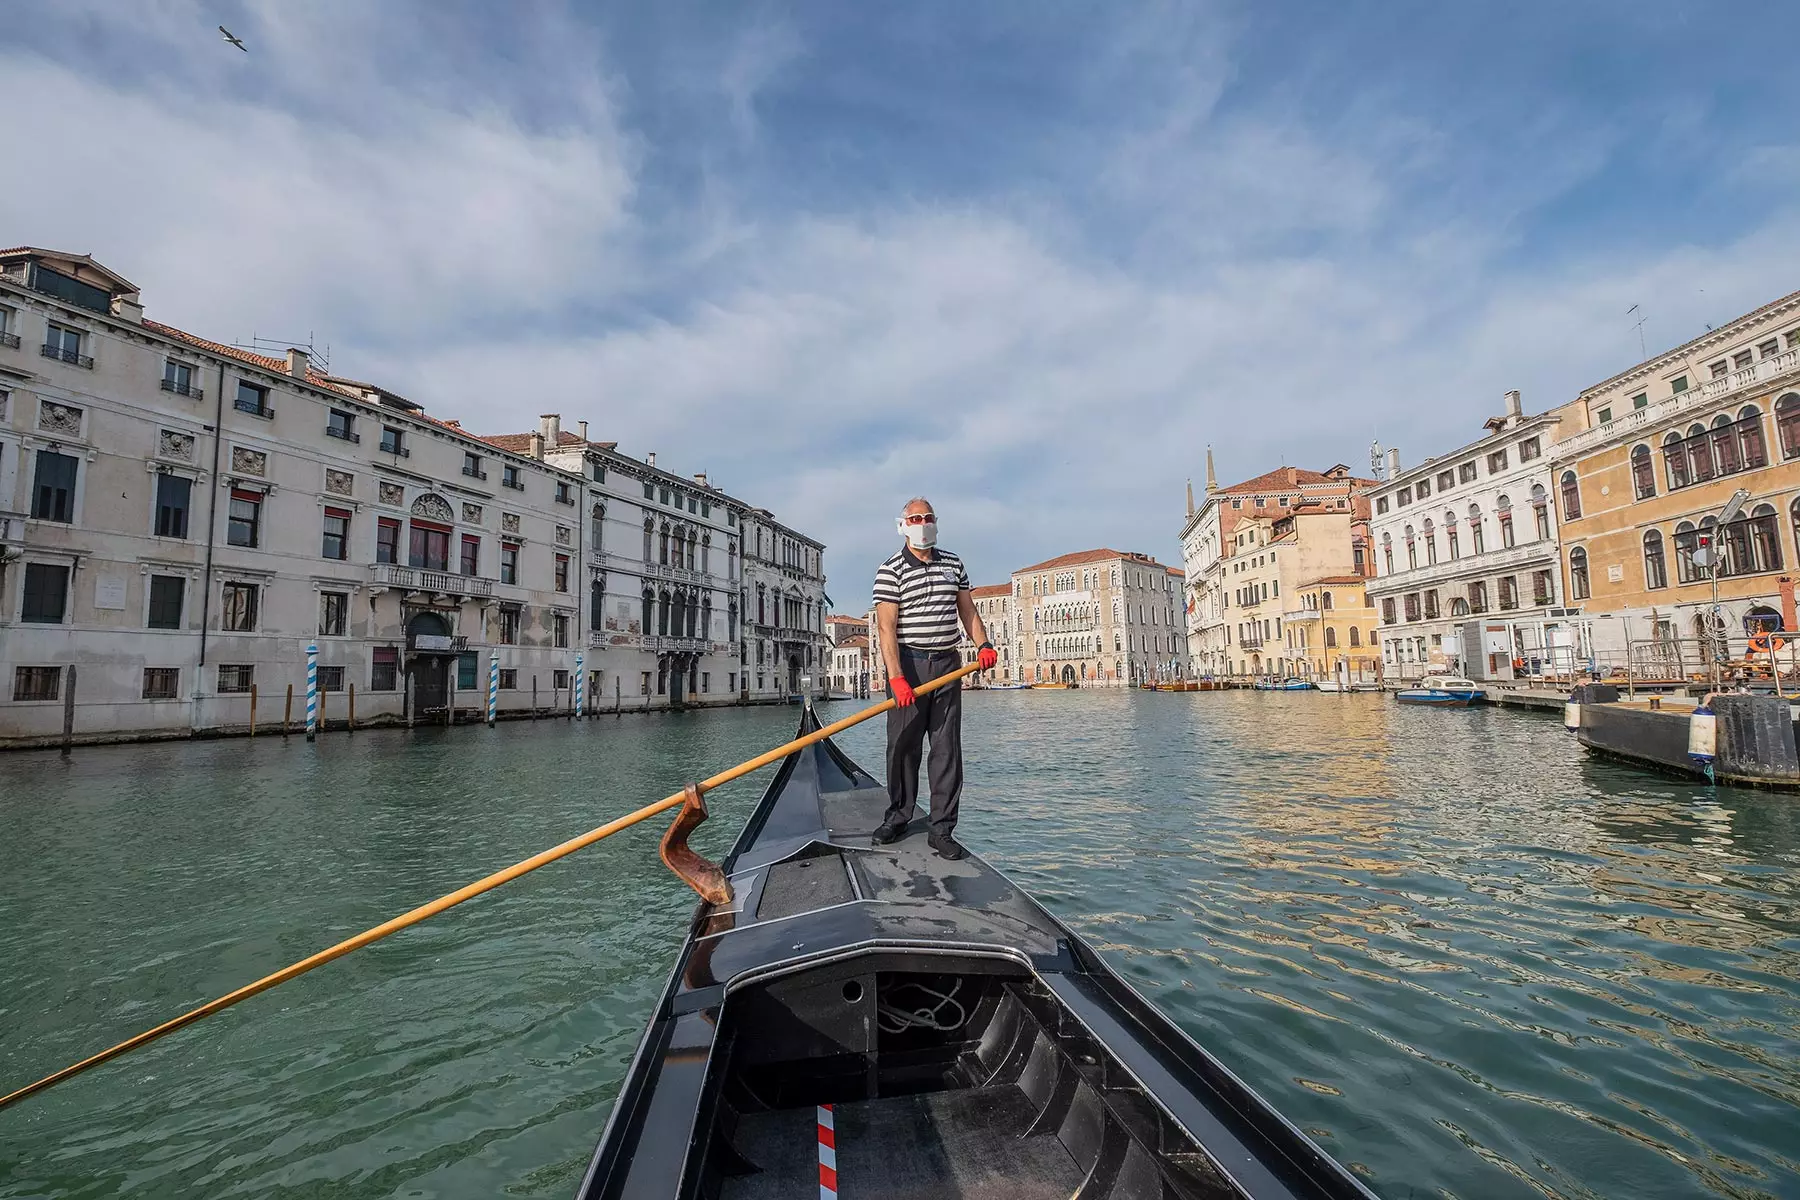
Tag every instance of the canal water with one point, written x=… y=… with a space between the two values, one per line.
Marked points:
x=1468 y=959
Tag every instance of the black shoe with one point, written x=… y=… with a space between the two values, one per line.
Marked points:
x=888 y=833
x=948 y=847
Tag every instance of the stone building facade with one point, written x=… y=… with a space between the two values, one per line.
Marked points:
x=784 y=602
x=994 y=604
x=1100 y=618
x=180 y=519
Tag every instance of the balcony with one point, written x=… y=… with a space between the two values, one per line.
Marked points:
x=1701 y=395
x=9 y=340
x=1474 y=566
x=343 y=435
x=676 y=574
x=475 y=473
x=73 y=357
x=191 y=391
x=664 y=644
x=441 y=643
x=418 y=579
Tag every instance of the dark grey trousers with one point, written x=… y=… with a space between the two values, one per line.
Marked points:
x=938 y=714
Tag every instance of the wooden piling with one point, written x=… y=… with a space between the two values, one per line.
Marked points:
x=351 y=727
x=68 y=740
x=287 y=713
x=534 y=697
x=253 y=695
x=323 y=694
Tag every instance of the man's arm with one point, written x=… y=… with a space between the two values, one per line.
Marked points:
x=887 y=627
x=971 y=620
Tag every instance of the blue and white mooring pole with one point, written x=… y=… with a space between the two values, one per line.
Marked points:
x=580 y=687
x=312 y=689
x=493 y=687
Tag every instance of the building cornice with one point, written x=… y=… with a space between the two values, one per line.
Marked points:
x=1722 y=336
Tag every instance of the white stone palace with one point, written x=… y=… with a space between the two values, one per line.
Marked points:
x=180 y=519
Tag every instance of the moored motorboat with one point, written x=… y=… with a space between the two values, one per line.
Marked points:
x=878 y=1021
x=1289 y=684
x=1008 y=687
x=1329 y=685
x=1443 y=691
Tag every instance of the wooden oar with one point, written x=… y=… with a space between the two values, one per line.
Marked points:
x=487 y=884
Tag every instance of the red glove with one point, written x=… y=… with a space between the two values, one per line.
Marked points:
x=987 y=656
x=903 y=693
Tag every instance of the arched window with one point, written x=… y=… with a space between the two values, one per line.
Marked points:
x=649 y=529
x=693 y=544
x=1450 y=536
x=597 y=528
x=1700 y=457
x=1787 y=424
x=649 y=612
x=1675 y=461
x=1459 y=607
x=1656 y=571
x=1643 y=473
x=662 y=614
x=1503 y=514
x=1387 y=611
x=706 y=554
x=1750 y=437
x=662 y=545
x=1578 y=574
x=1571 y=496
x=1475 y=531
x=693 y=617
x=731 y=616
x=597 y=602
x=1430 y=542
x=1327 y=599
x=1755 y=541
x=1725 y=445
x=1540 y=507
x=1687 y=540
x=1412 y=551
x=1355 y=636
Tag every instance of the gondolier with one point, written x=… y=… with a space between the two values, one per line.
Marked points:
x=921 y=596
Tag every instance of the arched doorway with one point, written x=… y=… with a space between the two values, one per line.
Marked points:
x=1068 y=674
x=1760 y=618
x=428 y=637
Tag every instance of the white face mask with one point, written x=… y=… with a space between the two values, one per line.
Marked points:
x=919 y=537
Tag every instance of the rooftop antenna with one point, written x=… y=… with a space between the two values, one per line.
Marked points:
x=275 y=347
x=1642 y=353
x=1375 y=465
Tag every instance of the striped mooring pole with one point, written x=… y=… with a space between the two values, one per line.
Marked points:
x=580 y=688
x=312 y=689
x=493 y=688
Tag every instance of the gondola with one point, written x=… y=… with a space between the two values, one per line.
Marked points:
x=882 y=1021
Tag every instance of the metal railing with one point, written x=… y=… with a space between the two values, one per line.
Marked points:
x=74 y=357
x=343 y=435
x=190 y=390
x=9 y=340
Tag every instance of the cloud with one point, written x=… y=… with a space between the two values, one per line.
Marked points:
x=1164 y=244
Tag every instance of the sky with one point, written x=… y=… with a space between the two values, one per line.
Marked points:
x=1028 y=260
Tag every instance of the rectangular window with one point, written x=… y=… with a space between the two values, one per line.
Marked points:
x=559 y=678
x=334 y=613
x=706 y=681
x=644 y=676
x=1496 y=462
x=1604 y=415
x=1509 y=593
x=1678 y=385
x=63 y=343
x=509 y=679
x=1445 y=481
x=252 y=399
x=649 y=490
x=238 y=613
x=331 y=679
x=472 y=466
x=387 y=540
x=384 y=669
x=336 y=542
x=430 y=547
x=37 y=683
x=1381 y=504
x=471 y=554
x=1403 y=497
x=509 y=477
x=162 y=683
x=1768 y=349
x=53 y=496
x=178 y=377
x=173 y=495
x=1718 y=369
x=466 y=668
x=341 y=425
x=509 y=563
x=562 y=572
x=167 y=592
x=1641 y=400
x=236 y=677
x=393 y=441
x=1466 y=473
x=560 y=628
x=1423 y=487
x=564 y=493
x=509 y=626
x=46 y=598
x=244 y=525
x=1529 y=449
x=1740 y=360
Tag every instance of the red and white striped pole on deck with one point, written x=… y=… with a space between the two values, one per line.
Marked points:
x=827 y=1155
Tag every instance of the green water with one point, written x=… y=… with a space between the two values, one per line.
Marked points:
x=1469 y=960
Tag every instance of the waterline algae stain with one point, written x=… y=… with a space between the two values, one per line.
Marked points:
x=1459 y=954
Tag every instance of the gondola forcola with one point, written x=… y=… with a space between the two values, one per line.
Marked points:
x=880 y=1022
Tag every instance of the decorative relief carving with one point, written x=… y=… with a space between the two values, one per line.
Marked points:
x=393 y=493
x=433 y=507
x=562 y=535
x=341 y=482
x=509 y=522
x=173 y=443
x=249 y=462
x=59 y=418
x=471 y=513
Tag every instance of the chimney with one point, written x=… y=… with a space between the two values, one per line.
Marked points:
x=650 y=458
x=1293 y=476
x=582 y=425
x=700 y=478
x=298 y=362
x=537 y=446
x=1393 y=464
x=550 y=426
x=1513 y=407
x=128 y=307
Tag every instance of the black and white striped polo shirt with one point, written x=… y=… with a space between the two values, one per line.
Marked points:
x=926 y=594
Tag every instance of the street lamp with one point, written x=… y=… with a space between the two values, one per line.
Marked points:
x=1708 y=556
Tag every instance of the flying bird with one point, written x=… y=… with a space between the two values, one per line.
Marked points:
x=234 y=39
